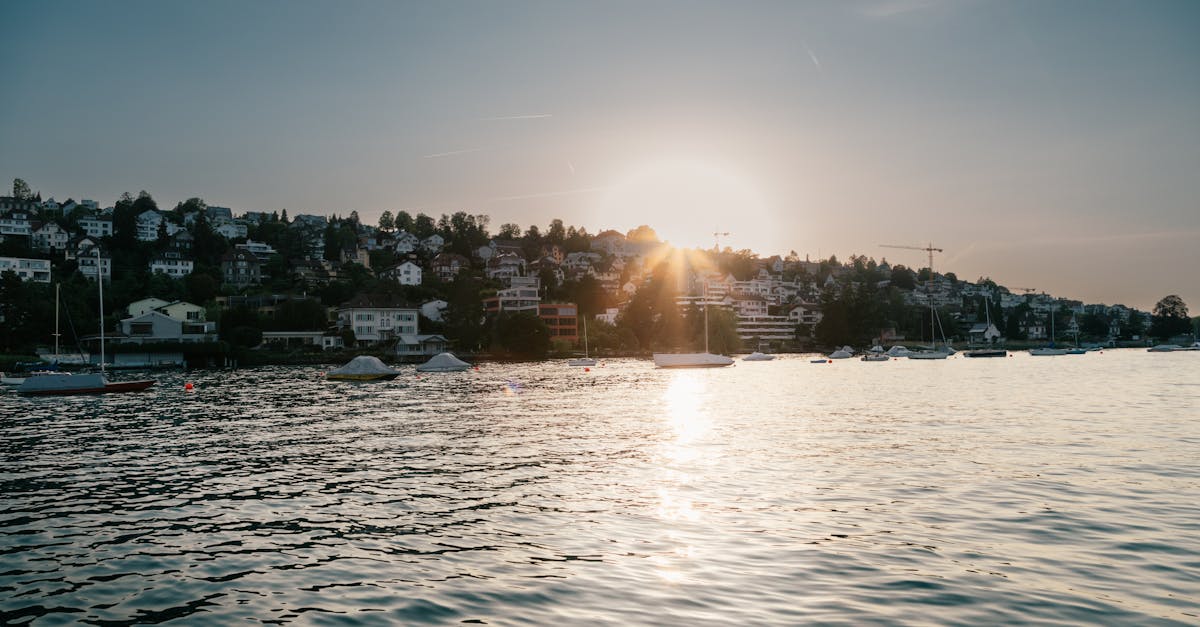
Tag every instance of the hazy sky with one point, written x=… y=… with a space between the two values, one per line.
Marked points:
x=1047 y=144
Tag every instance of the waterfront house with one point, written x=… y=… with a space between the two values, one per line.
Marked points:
x=377 y=320
x=983 y=333
x=562 y=319
x=139 y=307
x=415 y=345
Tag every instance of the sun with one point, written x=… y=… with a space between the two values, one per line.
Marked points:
x=686 y=200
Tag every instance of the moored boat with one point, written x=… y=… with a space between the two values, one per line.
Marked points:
x=757 y=356
x=363 y=368
x=986 y=352
x=691 y=360
x=443 y=362
x=62 y=384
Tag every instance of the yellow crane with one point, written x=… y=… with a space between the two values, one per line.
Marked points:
x=929 y=249
x=928 y=286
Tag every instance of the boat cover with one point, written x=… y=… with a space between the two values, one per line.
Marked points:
x=443 y=362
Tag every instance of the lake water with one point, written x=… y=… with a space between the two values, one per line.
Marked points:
x=1025 y=489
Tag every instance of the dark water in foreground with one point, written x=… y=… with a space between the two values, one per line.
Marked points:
x=1059 y=489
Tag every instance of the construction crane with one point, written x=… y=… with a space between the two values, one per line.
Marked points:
x=929 y=249
x=928 y=284
x=717 y=240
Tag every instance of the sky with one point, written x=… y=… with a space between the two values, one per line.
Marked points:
x=1046 y=145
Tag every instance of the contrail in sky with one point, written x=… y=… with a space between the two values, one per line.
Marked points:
x=567 y=192
x=534 y=116
x=452 y=153
x=812 y=56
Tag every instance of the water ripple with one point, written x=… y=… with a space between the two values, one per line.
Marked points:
x=1021 y=490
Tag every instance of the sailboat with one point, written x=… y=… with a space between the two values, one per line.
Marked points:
x=585 y=360
x=932 y=352
x=60 y=384
x=1049 y=351
x=693 y=360
x=986 y=352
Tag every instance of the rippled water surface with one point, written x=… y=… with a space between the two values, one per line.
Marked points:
x=1027 y=489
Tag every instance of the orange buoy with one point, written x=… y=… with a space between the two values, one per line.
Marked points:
x=587 y=369
x=188 y=387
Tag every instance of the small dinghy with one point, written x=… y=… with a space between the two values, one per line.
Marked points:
x=443 y=362
x=363 y=368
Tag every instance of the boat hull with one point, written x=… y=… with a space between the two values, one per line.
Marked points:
x=387 y=376
x=1047 y=352
x=83 y=384
x=582 y=361
x=691 y=360
x=928 y=355
x=986 y=353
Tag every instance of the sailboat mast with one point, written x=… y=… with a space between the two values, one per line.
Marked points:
x=705 y=292
x=585 y=346
x=57 y=289
x=100 y=281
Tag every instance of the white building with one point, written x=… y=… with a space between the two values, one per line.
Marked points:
x=406 y=242
x=36 y=270
x=232 y=230
x=172 y=264
x=49 y=237
x=15 y=223
x=98 y=227
x=522 y=295
x=433 y=244
x=261 y=250
x=90 y=266
x=407 y=273
x=376 y=322
x=149 y=222
x=434 y=309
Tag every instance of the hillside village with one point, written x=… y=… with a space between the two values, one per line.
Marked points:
x=197 y=275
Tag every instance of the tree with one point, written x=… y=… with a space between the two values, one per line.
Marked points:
x=21 y=190
x=509 y=230
x=386 y=221
x=522 y=335
x=1170 y=318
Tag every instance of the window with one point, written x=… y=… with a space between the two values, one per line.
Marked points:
x=141 y=328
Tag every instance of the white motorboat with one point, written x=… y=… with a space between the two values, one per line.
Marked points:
x=898 y=351
x=757 y=356
x=1164 y=348
x=1047 y=351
